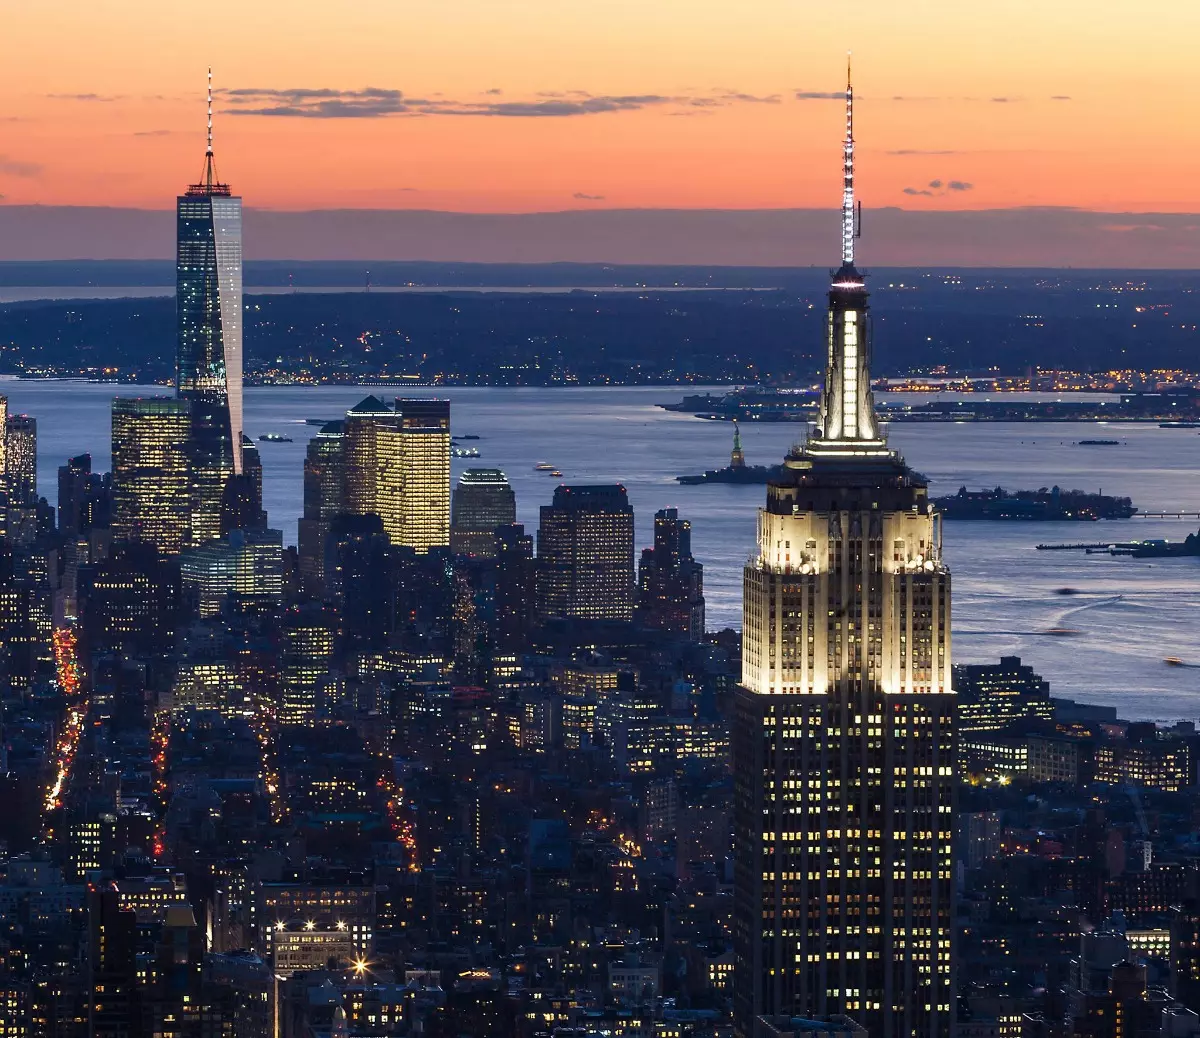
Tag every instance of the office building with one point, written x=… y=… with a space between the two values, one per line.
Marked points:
x=150 y=437
x=324 y=499
x=483 y=501
x=585 y=555
x=129 y=602
x=844 y=722
x=360 y=455
x=396 y=465
x=240 y=572
x=991 y=695
x=670 y=580
x=74 y=482
x=423 y=522
x=515 y=607
x=309 y=633
x=358 y=581
x=208 y=366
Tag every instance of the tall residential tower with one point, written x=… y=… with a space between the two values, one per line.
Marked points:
x=844 y=724
x=208 y=362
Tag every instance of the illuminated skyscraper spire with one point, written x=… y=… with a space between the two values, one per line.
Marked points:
x=209 y=179
x=848 y=228
x=847 y=424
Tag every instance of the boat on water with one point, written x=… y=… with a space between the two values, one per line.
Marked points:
x=1063 y=632
x=1179 y=425
x=1173 y=661
x=464 y=452
x=556 y=474
x=275 y=438
x=1098 y=443
x=543 y=466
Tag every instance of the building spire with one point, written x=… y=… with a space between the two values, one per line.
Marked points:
x=846 y=423
x=848 y=228
x=209 y=181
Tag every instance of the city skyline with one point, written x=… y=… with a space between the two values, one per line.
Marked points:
x=966 y=110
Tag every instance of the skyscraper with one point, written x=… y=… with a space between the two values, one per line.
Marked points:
x=208 y=365
x=844 y=724
x=670 y=580
x=324 y=499
x=20 y=450
x=150 y=439
x=396 y=465
x=483 y=501
x=425 y=518
x=585 y=555
x=516 y=590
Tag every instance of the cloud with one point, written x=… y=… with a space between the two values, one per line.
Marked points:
x=937 y=187
x=376 y=102
x=153 y=133
x=585 y=197
x=18 y=168
x=1060 y=97
x=83 y=97
x=494 y=92
x=1002 y=100
x=819 y=95
x=922 y=151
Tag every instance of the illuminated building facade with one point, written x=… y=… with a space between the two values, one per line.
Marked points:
x=585 y=555
x=3 y=468
x=241 y=571
x=844 y=722
x=670 y=580
x=208 y=363
x=150 y=438
x=21 y=490
x=483 y=501
x=396 y=465
x=991 y=696
x=308 y=643
x=424 y=519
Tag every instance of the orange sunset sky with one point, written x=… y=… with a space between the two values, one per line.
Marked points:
x=528 y=105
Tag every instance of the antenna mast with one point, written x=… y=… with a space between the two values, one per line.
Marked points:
x=848 y=214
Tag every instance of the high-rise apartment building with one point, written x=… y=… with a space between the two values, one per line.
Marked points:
x=670 y=580
x=208 y=364
x=844 y=724
x=483 y=500
x=3 y=468
x=150 y=441
x=585 y=555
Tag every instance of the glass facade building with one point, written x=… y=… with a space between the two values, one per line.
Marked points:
x=208 y=367
x=482 y=502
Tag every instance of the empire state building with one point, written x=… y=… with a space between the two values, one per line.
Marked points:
x=844 y=728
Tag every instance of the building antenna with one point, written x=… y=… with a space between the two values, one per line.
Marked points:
x=848 y=214
x=210 y=172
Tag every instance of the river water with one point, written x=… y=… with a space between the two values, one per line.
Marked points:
x=1130 y=614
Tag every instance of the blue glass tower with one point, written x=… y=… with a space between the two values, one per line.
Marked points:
x=208 y=365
